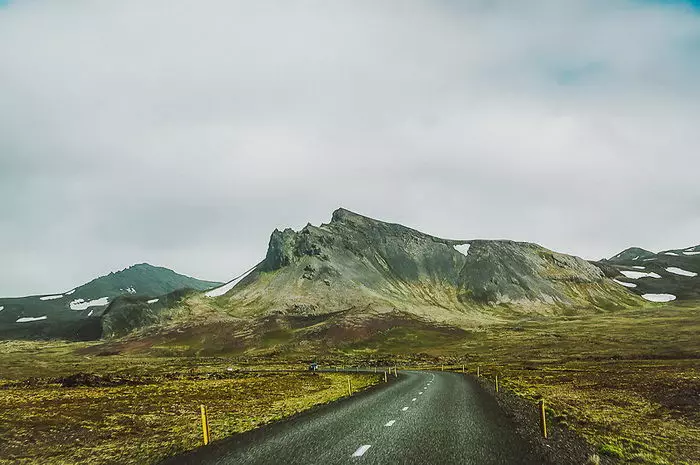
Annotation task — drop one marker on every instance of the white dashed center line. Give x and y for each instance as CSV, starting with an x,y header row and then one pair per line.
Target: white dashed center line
x,y
361,451
413,400
391,423
420,393
404,409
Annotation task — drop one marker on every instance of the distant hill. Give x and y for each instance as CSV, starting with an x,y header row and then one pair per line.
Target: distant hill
x,y
75,314
355,277
657,277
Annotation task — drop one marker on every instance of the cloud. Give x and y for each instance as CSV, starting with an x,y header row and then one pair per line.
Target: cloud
x,y
182,133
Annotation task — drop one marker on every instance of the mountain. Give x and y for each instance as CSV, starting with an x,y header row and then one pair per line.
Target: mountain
x,y
658,277
356,261
355,277
76,314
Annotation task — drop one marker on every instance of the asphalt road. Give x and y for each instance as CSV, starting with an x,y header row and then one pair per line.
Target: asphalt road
x,y
421,418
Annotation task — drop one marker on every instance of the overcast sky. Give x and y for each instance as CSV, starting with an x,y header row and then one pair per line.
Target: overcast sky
x,y
182,133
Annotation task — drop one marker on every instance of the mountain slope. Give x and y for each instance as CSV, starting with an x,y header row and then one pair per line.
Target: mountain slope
x,y
356,262
75,314
356,278
663,276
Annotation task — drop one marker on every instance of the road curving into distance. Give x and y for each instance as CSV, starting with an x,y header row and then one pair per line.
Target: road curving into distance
x,y
421,418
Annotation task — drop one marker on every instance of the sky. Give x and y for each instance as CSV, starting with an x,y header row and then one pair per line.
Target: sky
x,y
182,133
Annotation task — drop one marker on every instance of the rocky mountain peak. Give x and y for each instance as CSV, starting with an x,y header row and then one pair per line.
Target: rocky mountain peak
x,y
356,261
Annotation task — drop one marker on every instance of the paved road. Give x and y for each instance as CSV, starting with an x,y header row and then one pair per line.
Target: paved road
x,y
422,418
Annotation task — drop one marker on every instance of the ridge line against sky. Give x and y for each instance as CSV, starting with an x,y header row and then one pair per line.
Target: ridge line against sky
x,y
182,134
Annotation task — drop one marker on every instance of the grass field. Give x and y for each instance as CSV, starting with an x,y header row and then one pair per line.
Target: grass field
x,y
139,410
629,381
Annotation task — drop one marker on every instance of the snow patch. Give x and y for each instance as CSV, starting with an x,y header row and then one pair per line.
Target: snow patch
x,y
29,319
80,304
639,274
679,271
152,301
91,312
659,297
638,267
2,308
51,297
219,291
70,292
671,253
462,248
636,258
622,283
691,253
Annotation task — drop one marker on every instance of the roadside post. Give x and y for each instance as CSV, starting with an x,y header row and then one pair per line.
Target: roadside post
x,y
543,419
385,378
462,368
496,383
349,387
205,425
478,371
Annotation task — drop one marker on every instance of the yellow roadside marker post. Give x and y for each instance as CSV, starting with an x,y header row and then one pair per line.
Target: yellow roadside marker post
x,y
496,383
543,419
386,380
478,371
462,368
205,425
349,387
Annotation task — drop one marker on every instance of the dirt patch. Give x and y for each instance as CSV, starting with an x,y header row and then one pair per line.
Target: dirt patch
x,y
92,380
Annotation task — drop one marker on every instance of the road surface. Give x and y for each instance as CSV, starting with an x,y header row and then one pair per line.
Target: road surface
x,y
423,418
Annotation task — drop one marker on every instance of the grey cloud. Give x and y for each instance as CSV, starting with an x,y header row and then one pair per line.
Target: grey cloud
x,y
183,133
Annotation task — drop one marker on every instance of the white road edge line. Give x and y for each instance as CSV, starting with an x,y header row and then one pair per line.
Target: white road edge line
x,y
361,450
404,409
391,423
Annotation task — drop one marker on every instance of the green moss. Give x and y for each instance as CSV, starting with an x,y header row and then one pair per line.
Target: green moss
x,y
145,423
612,450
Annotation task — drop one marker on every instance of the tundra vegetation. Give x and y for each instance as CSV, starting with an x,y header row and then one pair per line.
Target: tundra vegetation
x,y
140,409
629,382
620,370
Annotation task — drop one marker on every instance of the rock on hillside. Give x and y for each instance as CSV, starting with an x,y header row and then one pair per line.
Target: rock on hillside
x,y
356,262
658,277
76,314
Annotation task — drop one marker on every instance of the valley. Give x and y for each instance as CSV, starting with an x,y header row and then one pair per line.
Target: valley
x,y
618,367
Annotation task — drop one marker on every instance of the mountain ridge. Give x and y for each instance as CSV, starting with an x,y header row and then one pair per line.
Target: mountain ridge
x,y
356,276
672,274
75,312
